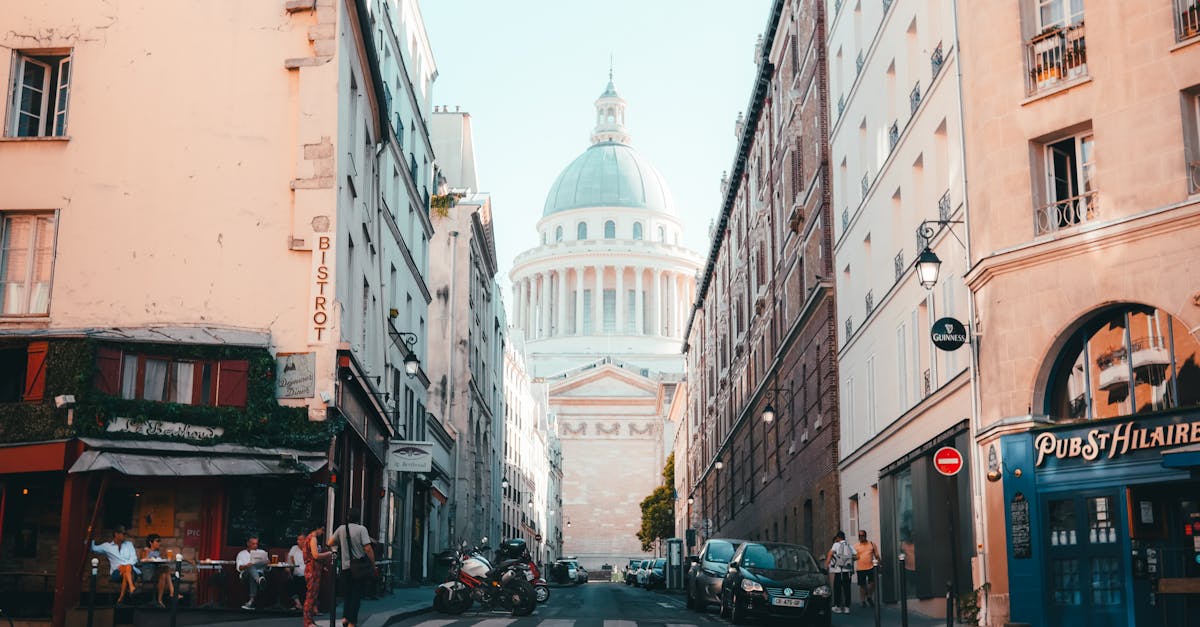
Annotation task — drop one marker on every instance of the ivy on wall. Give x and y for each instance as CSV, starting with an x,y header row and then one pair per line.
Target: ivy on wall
x,y
71,369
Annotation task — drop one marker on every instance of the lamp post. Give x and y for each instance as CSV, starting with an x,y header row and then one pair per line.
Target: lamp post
x,y
406,341
927,263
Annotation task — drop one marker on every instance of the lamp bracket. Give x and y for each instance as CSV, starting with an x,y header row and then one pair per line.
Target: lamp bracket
x,y
929,229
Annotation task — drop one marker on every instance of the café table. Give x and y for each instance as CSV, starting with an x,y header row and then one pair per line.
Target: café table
x,y
149,569
214,570
281,586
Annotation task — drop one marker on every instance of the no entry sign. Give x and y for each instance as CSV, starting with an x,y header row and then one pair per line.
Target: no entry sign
x,y
948,461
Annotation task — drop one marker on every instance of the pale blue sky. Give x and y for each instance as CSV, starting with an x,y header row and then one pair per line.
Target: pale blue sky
x,y
528,72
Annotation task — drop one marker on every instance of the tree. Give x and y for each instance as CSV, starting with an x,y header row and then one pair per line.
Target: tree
x,y
658,509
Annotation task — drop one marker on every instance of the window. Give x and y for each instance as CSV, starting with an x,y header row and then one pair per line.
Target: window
x,y
610,230
1070,196
1191,133
662,234
171,379
581,231
637,230
40,91
26,263
1187,12
610,312
1128,359
558,234
1057,50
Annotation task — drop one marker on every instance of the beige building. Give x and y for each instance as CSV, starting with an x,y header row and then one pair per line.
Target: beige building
x,y
1081,120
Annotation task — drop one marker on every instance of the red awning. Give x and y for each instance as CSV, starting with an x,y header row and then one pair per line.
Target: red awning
x,y
437,494
37,457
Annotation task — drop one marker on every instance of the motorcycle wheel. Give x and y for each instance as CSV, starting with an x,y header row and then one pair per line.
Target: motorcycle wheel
x,y
442,603
519,595
542,593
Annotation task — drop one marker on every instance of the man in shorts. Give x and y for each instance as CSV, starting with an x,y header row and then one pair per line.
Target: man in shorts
x,y
866,554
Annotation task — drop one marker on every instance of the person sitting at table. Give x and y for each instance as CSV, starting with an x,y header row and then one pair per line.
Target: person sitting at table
x,y
122,561
295,557
251,567
159,573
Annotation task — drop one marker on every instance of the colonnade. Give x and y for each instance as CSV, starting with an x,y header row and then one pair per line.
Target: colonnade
x,y
603,300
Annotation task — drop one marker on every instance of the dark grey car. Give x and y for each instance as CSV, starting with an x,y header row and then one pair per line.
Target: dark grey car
x,y
702,583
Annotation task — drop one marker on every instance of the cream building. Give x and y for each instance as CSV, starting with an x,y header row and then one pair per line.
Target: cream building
x,y
896,146
601,303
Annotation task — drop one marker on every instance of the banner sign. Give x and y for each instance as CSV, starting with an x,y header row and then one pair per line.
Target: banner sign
x,y
296,375
1114,440
406,456
161,428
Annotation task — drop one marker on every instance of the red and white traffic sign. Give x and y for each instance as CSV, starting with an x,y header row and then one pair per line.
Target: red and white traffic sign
x,y
948,461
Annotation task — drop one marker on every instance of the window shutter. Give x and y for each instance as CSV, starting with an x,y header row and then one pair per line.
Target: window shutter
x,y
232,379
35,371
797,168
108,371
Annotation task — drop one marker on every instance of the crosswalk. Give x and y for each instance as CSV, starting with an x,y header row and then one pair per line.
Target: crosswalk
x,y
533,621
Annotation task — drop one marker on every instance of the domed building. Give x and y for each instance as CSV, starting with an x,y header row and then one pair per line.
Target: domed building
x,y
601,304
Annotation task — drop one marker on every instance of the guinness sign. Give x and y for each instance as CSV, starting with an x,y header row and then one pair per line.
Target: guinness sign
x,y
948,334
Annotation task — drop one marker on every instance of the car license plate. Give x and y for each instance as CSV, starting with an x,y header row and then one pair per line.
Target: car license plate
x,y
529,575
787,602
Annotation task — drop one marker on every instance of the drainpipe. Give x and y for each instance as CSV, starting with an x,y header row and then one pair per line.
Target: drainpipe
x,y
448,392
977,476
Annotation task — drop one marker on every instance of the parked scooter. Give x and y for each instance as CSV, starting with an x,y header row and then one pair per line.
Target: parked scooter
x,y
473,579
541,589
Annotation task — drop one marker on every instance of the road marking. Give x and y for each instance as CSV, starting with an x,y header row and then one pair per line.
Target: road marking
x,y
620,623
435,623
556,622
495,622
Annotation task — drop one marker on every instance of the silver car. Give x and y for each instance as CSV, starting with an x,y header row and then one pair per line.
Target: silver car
x,y
702,583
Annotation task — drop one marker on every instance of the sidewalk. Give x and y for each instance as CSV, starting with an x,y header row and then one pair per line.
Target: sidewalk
x,y
400,604
861,616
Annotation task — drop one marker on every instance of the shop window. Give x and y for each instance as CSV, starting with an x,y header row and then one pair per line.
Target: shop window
x,y
166,379
1100,520
274,511
1106,581
1064,582
1129,359
1062,523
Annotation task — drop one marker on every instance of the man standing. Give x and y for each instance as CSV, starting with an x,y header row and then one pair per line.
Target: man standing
x,y
867,553
358,562
840,561
251,567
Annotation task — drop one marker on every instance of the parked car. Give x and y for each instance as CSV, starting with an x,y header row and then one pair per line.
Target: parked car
x,y
776,580
643,572
565,571
574,573
702,581
581,573
631,572
657,577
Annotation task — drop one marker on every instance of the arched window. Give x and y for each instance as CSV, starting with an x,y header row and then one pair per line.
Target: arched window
x,y
558,234
637,230
581,231
543,238
610,229
662,235
1127,359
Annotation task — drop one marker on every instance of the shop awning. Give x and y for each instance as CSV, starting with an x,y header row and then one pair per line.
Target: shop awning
x,y
167,459
1182,457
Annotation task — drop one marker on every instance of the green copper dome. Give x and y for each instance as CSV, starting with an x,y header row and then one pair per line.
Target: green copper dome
x,y
609,174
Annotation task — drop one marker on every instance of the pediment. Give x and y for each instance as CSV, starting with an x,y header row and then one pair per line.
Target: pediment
x,y
605,381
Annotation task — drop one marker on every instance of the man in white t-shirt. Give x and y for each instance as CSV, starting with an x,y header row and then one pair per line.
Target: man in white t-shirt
x,y
252,566
840,561
295,557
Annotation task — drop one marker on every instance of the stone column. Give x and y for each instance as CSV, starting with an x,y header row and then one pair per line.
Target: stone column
x,y
620,300
578,301
562,303
674,278
639,307
598,303
545,306
656,297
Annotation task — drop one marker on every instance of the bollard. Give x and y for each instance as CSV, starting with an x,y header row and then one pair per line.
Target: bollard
x,y
334,570
949,604
878,590
92,592
903,592
177,577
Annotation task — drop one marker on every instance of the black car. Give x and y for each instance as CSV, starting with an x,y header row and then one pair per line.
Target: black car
x,y
657,577
706,573
773,579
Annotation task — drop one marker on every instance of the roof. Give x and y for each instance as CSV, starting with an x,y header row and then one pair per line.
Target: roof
x,y
609,174
155,334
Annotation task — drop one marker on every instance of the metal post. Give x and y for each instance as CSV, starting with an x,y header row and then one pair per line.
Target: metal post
x,y
334,570
949,604
903,592
176,576
878,591
92,592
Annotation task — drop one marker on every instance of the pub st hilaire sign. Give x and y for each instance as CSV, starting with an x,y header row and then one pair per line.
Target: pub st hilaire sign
x,y
1110,442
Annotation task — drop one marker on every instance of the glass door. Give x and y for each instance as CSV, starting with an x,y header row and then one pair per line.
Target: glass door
x,y
1086,578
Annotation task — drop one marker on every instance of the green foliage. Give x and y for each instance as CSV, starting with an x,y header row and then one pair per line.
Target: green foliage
x,y
658,509
71,369
969,606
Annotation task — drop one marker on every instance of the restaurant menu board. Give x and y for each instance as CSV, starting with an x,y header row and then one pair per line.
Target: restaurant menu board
x,y
1022,547
274,511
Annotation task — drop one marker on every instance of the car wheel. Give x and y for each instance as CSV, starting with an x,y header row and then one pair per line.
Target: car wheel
x,y
737,612
687,599
724,608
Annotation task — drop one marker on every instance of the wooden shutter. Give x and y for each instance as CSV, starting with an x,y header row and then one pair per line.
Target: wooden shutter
x,y
233,376
35,371
108,371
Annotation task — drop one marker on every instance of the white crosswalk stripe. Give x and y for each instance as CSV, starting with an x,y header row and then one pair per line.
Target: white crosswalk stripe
x,y
435,623
620,623
495,622
557,622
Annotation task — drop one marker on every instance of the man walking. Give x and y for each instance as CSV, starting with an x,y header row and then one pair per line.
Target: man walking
x,y
840,562
867,553
358,562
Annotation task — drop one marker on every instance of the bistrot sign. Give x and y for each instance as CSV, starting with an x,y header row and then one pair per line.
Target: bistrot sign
x,y
948,461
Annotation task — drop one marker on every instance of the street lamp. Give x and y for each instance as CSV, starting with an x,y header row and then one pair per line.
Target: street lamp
x,y
504,484
406,341
719,465
768,414
928,266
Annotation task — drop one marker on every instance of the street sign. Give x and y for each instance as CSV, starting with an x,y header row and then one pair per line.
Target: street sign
x,y
948,461
948,334
408,456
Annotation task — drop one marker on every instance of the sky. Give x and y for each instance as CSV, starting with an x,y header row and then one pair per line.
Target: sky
x,y
529,72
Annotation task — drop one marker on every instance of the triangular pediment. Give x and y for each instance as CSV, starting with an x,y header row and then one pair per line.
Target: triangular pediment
x,y
604,381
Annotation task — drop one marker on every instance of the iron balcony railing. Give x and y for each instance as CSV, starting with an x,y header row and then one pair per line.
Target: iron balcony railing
x,y
914,98
898,264
845,218
893,135
1187,19
849,326
866,184
935,61
1065,213
1194,177
944,206
1056,55
841,104
859,62
927,382
887,4
869,301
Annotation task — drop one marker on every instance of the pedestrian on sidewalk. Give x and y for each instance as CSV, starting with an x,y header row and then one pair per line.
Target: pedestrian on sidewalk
x,y
867,554
358,562
840,561
315,561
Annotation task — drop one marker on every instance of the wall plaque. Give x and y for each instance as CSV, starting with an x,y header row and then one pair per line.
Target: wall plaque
x,y
1022,546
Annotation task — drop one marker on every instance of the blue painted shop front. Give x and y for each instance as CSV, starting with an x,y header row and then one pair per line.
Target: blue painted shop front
x,y
1103,522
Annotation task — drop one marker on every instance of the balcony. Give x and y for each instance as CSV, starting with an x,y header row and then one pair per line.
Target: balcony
x,y
935,61
841,104
849,326
859,62
869,301
887,5
1150,352
898,265
893,135
1114,370
944,206
1065,213
1056,55
1187,19
914,98
845,218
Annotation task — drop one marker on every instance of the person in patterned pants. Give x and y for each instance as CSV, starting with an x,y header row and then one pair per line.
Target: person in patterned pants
x,y
314,567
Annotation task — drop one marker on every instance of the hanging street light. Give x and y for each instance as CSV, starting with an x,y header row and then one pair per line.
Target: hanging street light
x,y
928,267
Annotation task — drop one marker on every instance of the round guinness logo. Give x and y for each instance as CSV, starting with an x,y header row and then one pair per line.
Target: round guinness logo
x,y
948,334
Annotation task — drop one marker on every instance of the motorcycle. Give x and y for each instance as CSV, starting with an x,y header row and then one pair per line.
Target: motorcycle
x,y
541,589
473,579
